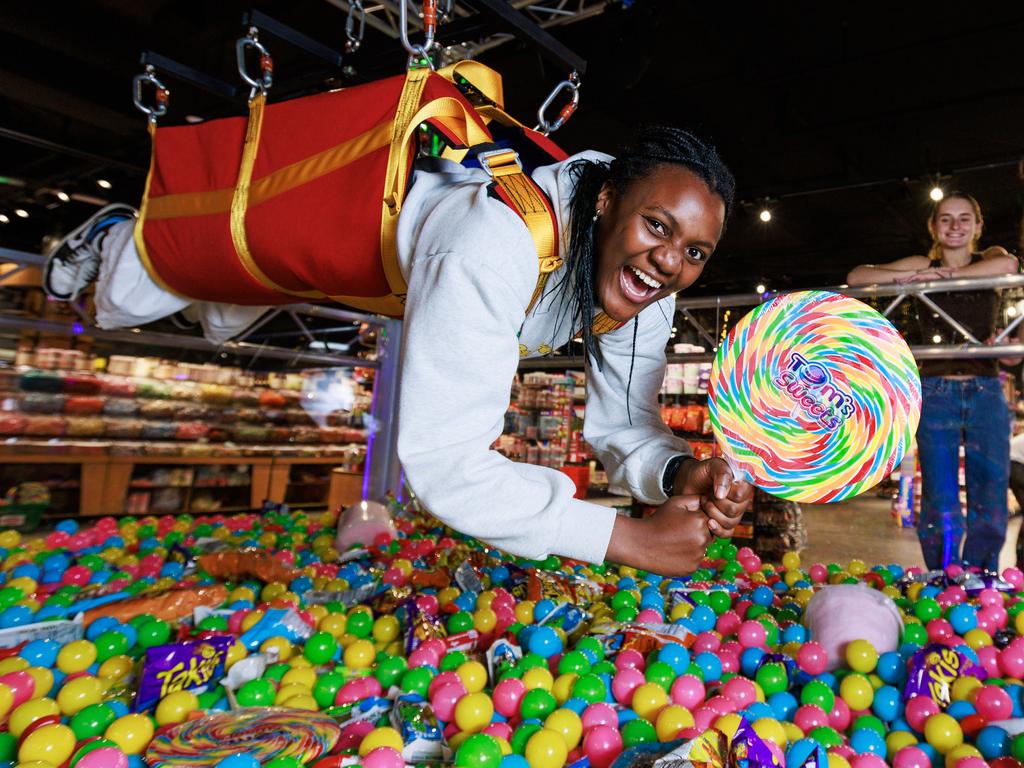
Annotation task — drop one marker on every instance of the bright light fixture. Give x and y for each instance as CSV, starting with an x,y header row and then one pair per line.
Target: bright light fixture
x,y
760,288
1011,311
936,339
103,184
21,213
63,196
765,215
936,194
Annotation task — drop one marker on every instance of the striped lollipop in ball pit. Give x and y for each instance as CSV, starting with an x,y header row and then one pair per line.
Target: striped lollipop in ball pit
x,y
814,396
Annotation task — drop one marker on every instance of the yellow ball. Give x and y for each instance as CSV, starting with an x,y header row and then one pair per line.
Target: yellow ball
x,y
359,655
334,623
285,692
175,707
897,740
546,749
76,656
562,689
386,628
484,620
567,723
302,675
317,612
943,732
771,729
132,733
380,737
857,691
538,677
242,594
473,712
447,595
76,695
24,583
1018,623
473,675
524,612
671,720
978,638
792,577
485,598
958,753
6,700
729,724
857,567
303,702
116,668
26,714
793,732
51,744
12,664
44,681
835,760
861,656
236,652
9,538
791,561
964,688
681,611
282,645
648,700
251,619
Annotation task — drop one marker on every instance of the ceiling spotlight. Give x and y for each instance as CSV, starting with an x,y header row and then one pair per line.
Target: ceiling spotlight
x,y
936,339
4,218
21,213
936,193
103,184
1011,311
760,288
765,215
63,196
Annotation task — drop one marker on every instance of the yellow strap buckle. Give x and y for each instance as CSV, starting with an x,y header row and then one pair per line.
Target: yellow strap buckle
x,y
500,162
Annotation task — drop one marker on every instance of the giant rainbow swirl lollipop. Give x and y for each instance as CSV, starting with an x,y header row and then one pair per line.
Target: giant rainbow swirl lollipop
x,y
815,396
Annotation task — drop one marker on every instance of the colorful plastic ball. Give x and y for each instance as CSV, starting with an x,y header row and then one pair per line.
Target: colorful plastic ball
x,y
918,709
509,693
257,693
688,691
943,732
479,751
29,712
857,691
132,733
103,757
867,740
568,723
806,751
79,693
993,703
380,737
238,761
546,749
76,656
887,703
638,731
818,693
861,656
175,707
601,745
320,648
21,685
537,704
92,720
41,653
992,741
49,744
772,678
473,712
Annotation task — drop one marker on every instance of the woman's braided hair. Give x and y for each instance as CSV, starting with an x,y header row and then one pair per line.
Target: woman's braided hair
x,y
652,146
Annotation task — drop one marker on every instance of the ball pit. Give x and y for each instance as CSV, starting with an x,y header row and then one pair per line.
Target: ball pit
x,y
431,642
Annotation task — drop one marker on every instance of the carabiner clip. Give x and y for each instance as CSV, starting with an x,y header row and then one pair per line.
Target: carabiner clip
x,y
355,25
161,94
418,54
266,78
571,84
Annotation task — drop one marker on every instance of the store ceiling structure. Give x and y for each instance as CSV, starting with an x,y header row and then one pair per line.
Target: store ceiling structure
x,y
837,117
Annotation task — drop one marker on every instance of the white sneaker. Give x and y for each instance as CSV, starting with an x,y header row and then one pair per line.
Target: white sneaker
x,y
75,262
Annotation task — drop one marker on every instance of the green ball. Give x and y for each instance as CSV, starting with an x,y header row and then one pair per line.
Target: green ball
x,y
111,643
695,670
156,632
209,699
320,648
714,550
729,550
699,598
826,736
417,680
771,630
522,735
452,660
772,678
819,694
91,721
1017,747
869,722
590,688
359,623
661,673
756,611
277,671
8,747
915,634
390,670
326,688
538,704
141,620
461,621
719,601
626,614
604,668
478,751
638,731
590,643
532,660
574,662
285,761
213,623
623,599
257,693
927,608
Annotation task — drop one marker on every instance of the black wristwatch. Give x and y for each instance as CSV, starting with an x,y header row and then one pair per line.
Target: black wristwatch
x,y
668,480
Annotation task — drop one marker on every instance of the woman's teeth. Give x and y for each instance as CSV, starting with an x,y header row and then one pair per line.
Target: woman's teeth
x,y
646,279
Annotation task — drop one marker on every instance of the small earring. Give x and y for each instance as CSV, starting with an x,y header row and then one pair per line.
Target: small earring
x,y
597,215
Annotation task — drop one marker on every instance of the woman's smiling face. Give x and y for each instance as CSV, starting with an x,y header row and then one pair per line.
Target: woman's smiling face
x,y
654,239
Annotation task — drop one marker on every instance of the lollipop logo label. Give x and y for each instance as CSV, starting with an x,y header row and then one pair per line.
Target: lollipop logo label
x,y
810,386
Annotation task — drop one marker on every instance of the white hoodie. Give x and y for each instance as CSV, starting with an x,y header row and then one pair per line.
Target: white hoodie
x,y
472,268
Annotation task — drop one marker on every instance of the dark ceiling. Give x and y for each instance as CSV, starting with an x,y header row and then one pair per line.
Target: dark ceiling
x,y
840,115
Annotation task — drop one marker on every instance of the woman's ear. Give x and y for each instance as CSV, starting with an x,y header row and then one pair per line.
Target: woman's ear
x,y
604,197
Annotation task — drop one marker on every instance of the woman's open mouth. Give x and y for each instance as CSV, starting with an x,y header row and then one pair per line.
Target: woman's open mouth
x,y
638,286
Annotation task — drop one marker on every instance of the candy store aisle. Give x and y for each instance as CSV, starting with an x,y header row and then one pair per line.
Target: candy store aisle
x,y
862,527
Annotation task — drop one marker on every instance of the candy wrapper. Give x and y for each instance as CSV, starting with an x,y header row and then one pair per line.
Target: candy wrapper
x,y
468,579
420,626
712,749
348,597
422,737
975,583
617,636
190,666
276,622
240,564
934,669
502,656
570,618
170,605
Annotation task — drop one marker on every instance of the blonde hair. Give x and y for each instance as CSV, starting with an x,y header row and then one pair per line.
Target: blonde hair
x,y
935,252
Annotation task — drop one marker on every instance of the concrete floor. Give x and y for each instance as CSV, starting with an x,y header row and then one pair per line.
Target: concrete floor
x,y
864,528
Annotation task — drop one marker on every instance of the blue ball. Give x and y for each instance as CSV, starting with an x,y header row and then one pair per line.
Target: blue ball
x,y
963,618
783,704
887,704
891,668
992,741
67,526
101,625
801,751
794,633
41,653
576,704
867,740
749,660
542,609
514,761
15,616
130,633
676,656
960,709
758,710
1016,693
703,618
627,582
499,575
119,707
29,570
763,595
239,761
932,752
625,715
710,665
545,642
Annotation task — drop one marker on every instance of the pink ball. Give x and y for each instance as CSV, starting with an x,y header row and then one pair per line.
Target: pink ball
x,y
840,717
988,657
741,554
22,685
688,691
704,717
350,692
393,577
383,757
353,734
728,623
752,634
812,658
502,598
706,642
843,750
751,564
104,757
818,573
423,657
971,761
954,570
740,690
601,713
918,710
77,575
630,659
868,760
1011,660
445,699
808,717
57,540
235,622
602,744
730,661
993,703
721,705
499,730
1015,576
624,683
939,629
989,597
649,616
429,604
507,695
910,757
442,679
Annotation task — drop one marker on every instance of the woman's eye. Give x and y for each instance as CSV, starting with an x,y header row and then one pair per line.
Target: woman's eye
x,y
657,226
696,254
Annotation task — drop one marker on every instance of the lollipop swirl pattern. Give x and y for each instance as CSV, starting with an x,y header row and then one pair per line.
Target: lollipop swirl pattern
x,y
265,733
815,396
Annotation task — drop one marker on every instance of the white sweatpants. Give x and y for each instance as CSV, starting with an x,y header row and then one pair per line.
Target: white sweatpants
x,y
126,295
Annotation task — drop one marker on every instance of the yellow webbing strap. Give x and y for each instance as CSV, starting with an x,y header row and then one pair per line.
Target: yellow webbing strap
x,y
137,234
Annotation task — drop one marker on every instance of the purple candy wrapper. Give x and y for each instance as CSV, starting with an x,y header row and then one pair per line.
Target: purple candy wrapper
x,y
934,669
748,750
194,665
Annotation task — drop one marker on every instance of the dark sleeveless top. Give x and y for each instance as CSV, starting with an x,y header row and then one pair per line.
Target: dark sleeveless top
x,y
974,310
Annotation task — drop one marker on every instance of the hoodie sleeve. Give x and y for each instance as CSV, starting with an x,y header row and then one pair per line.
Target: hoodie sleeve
x,y
473,273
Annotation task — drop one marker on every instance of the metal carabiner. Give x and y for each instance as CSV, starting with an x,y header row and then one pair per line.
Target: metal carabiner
x,y
445,10
418,54
355,25
572,84
266,79
161,94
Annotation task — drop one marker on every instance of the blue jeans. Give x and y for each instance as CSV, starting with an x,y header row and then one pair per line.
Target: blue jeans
x,y
975,411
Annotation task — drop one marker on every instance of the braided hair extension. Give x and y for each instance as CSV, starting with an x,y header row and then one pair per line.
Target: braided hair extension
x,y
652,146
